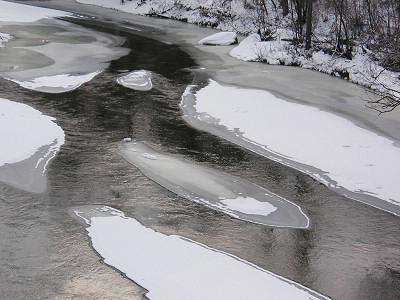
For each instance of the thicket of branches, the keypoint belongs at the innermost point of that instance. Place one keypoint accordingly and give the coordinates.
(372, 24)
(376, 23)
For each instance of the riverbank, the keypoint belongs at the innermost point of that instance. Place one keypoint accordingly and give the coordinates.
(363, 69)
(294, 84)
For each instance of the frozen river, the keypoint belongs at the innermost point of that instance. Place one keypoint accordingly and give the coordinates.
(350, 250)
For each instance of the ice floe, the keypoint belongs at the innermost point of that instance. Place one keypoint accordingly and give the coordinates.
(29, 140)
(174, 267)
(56, 83)
(218, 190)
(139, 80)
(220, 39)
(351, 159)
(51, 55)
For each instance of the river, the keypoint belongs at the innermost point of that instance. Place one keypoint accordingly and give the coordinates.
(350, 251)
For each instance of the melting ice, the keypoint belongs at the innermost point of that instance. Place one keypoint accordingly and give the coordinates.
(51, 55)
(218, 190)
(353, 160)
(173, 267)
(29, 140)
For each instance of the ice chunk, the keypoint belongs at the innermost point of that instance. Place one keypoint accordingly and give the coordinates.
(137, 80)
(56, 83)
(29, 140)
(344, 156)
(218, 190)
(220, 39)
(173, 267)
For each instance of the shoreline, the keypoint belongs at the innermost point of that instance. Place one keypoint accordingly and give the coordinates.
(297, 85)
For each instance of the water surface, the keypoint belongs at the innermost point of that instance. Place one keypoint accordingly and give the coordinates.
(350, 252)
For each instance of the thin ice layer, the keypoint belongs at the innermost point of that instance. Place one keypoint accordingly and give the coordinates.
(353, 160)
(218, 190)
(173, 267)
(51, 55)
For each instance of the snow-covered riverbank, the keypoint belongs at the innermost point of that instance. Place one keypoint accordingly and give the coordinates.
(235, 16)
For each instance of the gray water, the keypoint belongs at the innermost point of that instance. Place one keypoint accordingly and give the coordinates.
(350, 251)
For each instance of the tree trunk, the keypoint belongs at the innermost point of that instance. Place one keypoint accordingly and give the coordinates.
(285, 7)
(309, 23)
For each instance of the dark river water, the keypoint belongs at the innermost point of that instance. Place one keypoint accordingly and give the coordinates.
(351, 251)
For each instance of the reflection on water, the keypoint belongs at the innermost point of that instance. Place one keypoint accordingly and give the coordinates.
(350, 252)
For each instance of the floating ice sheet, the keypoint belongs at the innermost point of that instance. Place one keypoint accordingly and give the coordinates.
(51, 55)
(173, 267)
(137, 80)
(56, 83)
(29, 140)
(353, 160)
(218, 190)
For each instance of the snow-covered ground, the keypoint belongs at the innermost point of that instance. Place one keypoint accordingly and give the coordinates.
(330, 148)
(137, 80)
(218, 190)
(225, 38)
(50, 55)
(173, 267)
(29, 140)
(361, 69)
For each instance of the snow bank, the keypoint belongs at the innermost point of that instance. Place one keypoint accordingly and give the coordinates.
(220, 39)
(14, 12)
(137, 80)
(361, 69)
(29, 140)
(218, 190)
(330, 148)
(173, 267)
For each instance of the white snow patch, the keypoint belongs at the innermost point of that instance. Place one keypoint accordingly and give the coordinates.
(15, 12)
(4, 38)
(249, 206)
(173, 267)
(53, 83)
(220, 39)
(23, 130)
(352, 157)
(137, 80)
